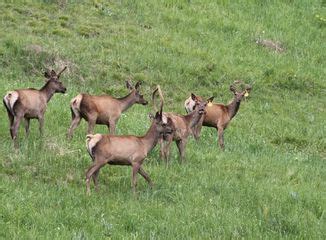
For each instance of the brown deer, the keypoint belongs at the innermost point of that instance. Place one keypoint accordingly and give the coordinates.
(104, 109)
(124, 150)
(31, 103)
(183, 126)
(219, 115)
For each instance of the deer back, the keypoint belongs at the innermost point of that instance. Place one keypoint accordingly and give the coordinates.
(121, 149)
(214, 114)
(103, 105)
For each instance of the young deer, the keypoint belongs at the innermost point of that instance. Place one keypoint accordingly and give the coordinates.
(104, 109)
(219, 115)
(124, 150)
(183, 126)
(31, 103)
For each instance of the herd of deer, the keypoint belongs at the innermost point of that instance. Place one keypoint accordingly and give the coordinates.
(26, 104)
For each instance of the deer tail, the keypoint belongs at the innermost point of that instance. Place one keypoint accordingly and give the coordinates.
(75, 105)
(9, 101)
(91, 142)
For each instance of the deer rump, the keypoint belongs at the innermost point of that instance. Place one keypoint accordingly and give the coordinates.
(9, 101)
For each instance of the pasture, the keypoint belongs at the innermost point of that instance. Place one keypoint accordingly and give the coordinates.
(270, 182)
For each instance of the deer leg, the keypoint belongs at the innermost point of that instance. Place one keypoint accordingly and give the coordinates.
(135, 169)
(11, 121)
(167, 148)
(220, 132)
(91, 170)
(162, 154)
(145, 175)
(181, 144)
(11, 126)
(95, 179)
(88, 175)
(91, 125)
(14, 129)
(196, 130)
(11, 118)
(112, 126)
(167, 151)
(41, 124)
(27, 126)
(74, 123)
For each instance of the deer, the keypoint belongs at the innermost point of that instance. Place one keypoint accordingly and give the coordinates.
(31, 103)
(183, 126)
(127, 150)
(219, 115)
(103, 109)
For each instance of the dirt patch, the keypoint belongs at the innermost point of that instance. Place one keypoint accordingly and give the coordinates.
(276, 46)
(36, 59)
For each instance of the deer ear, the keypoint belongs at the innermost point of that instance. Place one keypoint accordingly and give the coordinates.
(193, 97)
(128, 84)
(46, 74)
(210, 99)
(158, 116)
(137, 85)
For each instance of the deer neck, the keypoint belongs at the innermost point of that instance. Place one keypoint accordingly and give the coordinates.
(193, 118)
(233, 107)
(127, 101)
(47, 91)
(151, 138)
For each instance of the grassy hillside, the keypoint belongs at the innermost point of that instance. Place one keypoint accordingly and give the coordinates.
(269, 183)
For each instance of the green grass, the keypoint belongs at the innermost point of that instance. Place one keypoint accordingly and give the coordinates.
(269, 183)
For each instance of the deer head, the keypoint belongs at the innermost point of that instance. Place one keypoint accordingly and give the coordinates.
(54, 82)
(200, 104)
(239, 94)
(136, 91)
(163, 126)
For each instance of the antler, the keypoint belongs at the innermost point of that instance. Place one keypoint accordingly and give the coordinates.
(62, 71)
(158, 88)
(233, 87)
(129, 84)
(138, 85)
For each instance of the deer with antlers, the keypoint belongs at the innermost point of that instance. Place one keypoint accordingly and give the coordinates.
(104, 109)
(219, 115)
(183, 126)
(125, 150)
(31, 103)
